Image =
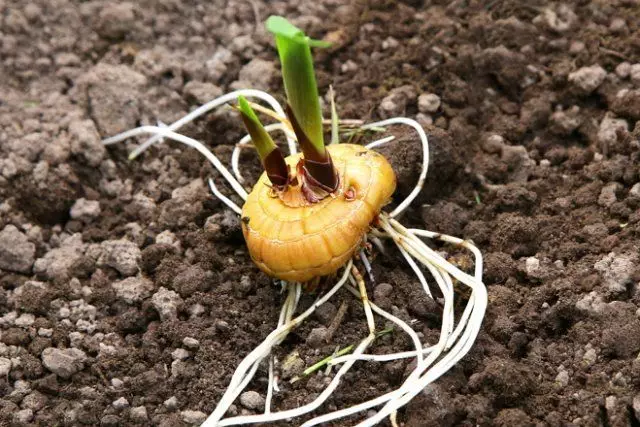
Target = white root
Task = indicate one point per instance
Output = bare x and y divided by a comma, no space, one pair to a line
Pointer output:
425,156
165,132
432,360
203,109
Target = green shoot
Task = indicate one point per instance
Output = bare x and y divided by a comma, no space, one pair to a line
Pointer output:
341,352
294,48
270,155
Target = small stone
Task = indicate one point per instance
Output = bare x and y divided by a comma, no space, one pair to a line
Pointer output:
592,303
292,365
120,404
5,367
428,103
115,21
193,417
24,320
532,267
180,354
133,289
166,303
139,414
635,190
63,362
562,379
117,382
258,73
191,343
243,286
171,403
608,194
122,255
16,252
85,141
617,270
608,131
348,66
588,79
34,401
396,102
318,337
252,400
623,70
110,420
85,210
381,291
201,92
590,357
24,416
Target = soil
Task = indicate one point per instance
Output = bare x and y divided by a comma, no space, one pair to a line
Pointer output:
535,157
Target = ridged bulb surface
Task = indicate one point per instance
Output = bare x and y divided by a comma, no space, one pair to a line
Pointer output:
295,241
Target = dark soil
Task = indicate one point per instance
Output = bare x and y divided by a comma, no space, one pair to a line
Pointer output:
538,166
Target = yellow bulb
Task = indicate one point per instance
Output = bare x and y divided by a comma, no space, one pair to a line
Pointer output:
293,240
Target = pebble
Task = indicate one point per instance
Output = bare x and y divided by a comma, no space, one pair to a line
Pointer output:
428,103
85,142
608,194
16,252
193,417
139,414
257,73
608,131
616,270
166,303
34,401
381,291
133,289
202,92
120,403
395,103
121,254
180,354
171,403
562,379
191,343
116,20
24,416
63,362
25,319
318,337
590,357
635,190
5,367
588,79
117,382
623,70
532,267
252,400
85,210
292,365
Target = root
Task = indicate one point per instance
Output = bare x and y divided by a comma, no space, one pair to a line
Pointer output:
432,360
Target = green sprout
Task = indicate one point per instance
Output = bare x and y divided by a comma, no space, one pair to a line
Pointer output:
294,48
270,155
303,105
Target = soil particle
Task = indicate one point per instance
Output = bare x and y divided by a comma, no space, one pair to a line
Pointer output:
16,252
528,117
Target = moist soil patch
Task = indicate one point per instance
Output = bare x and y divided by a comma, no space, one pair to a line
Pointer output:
535,157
